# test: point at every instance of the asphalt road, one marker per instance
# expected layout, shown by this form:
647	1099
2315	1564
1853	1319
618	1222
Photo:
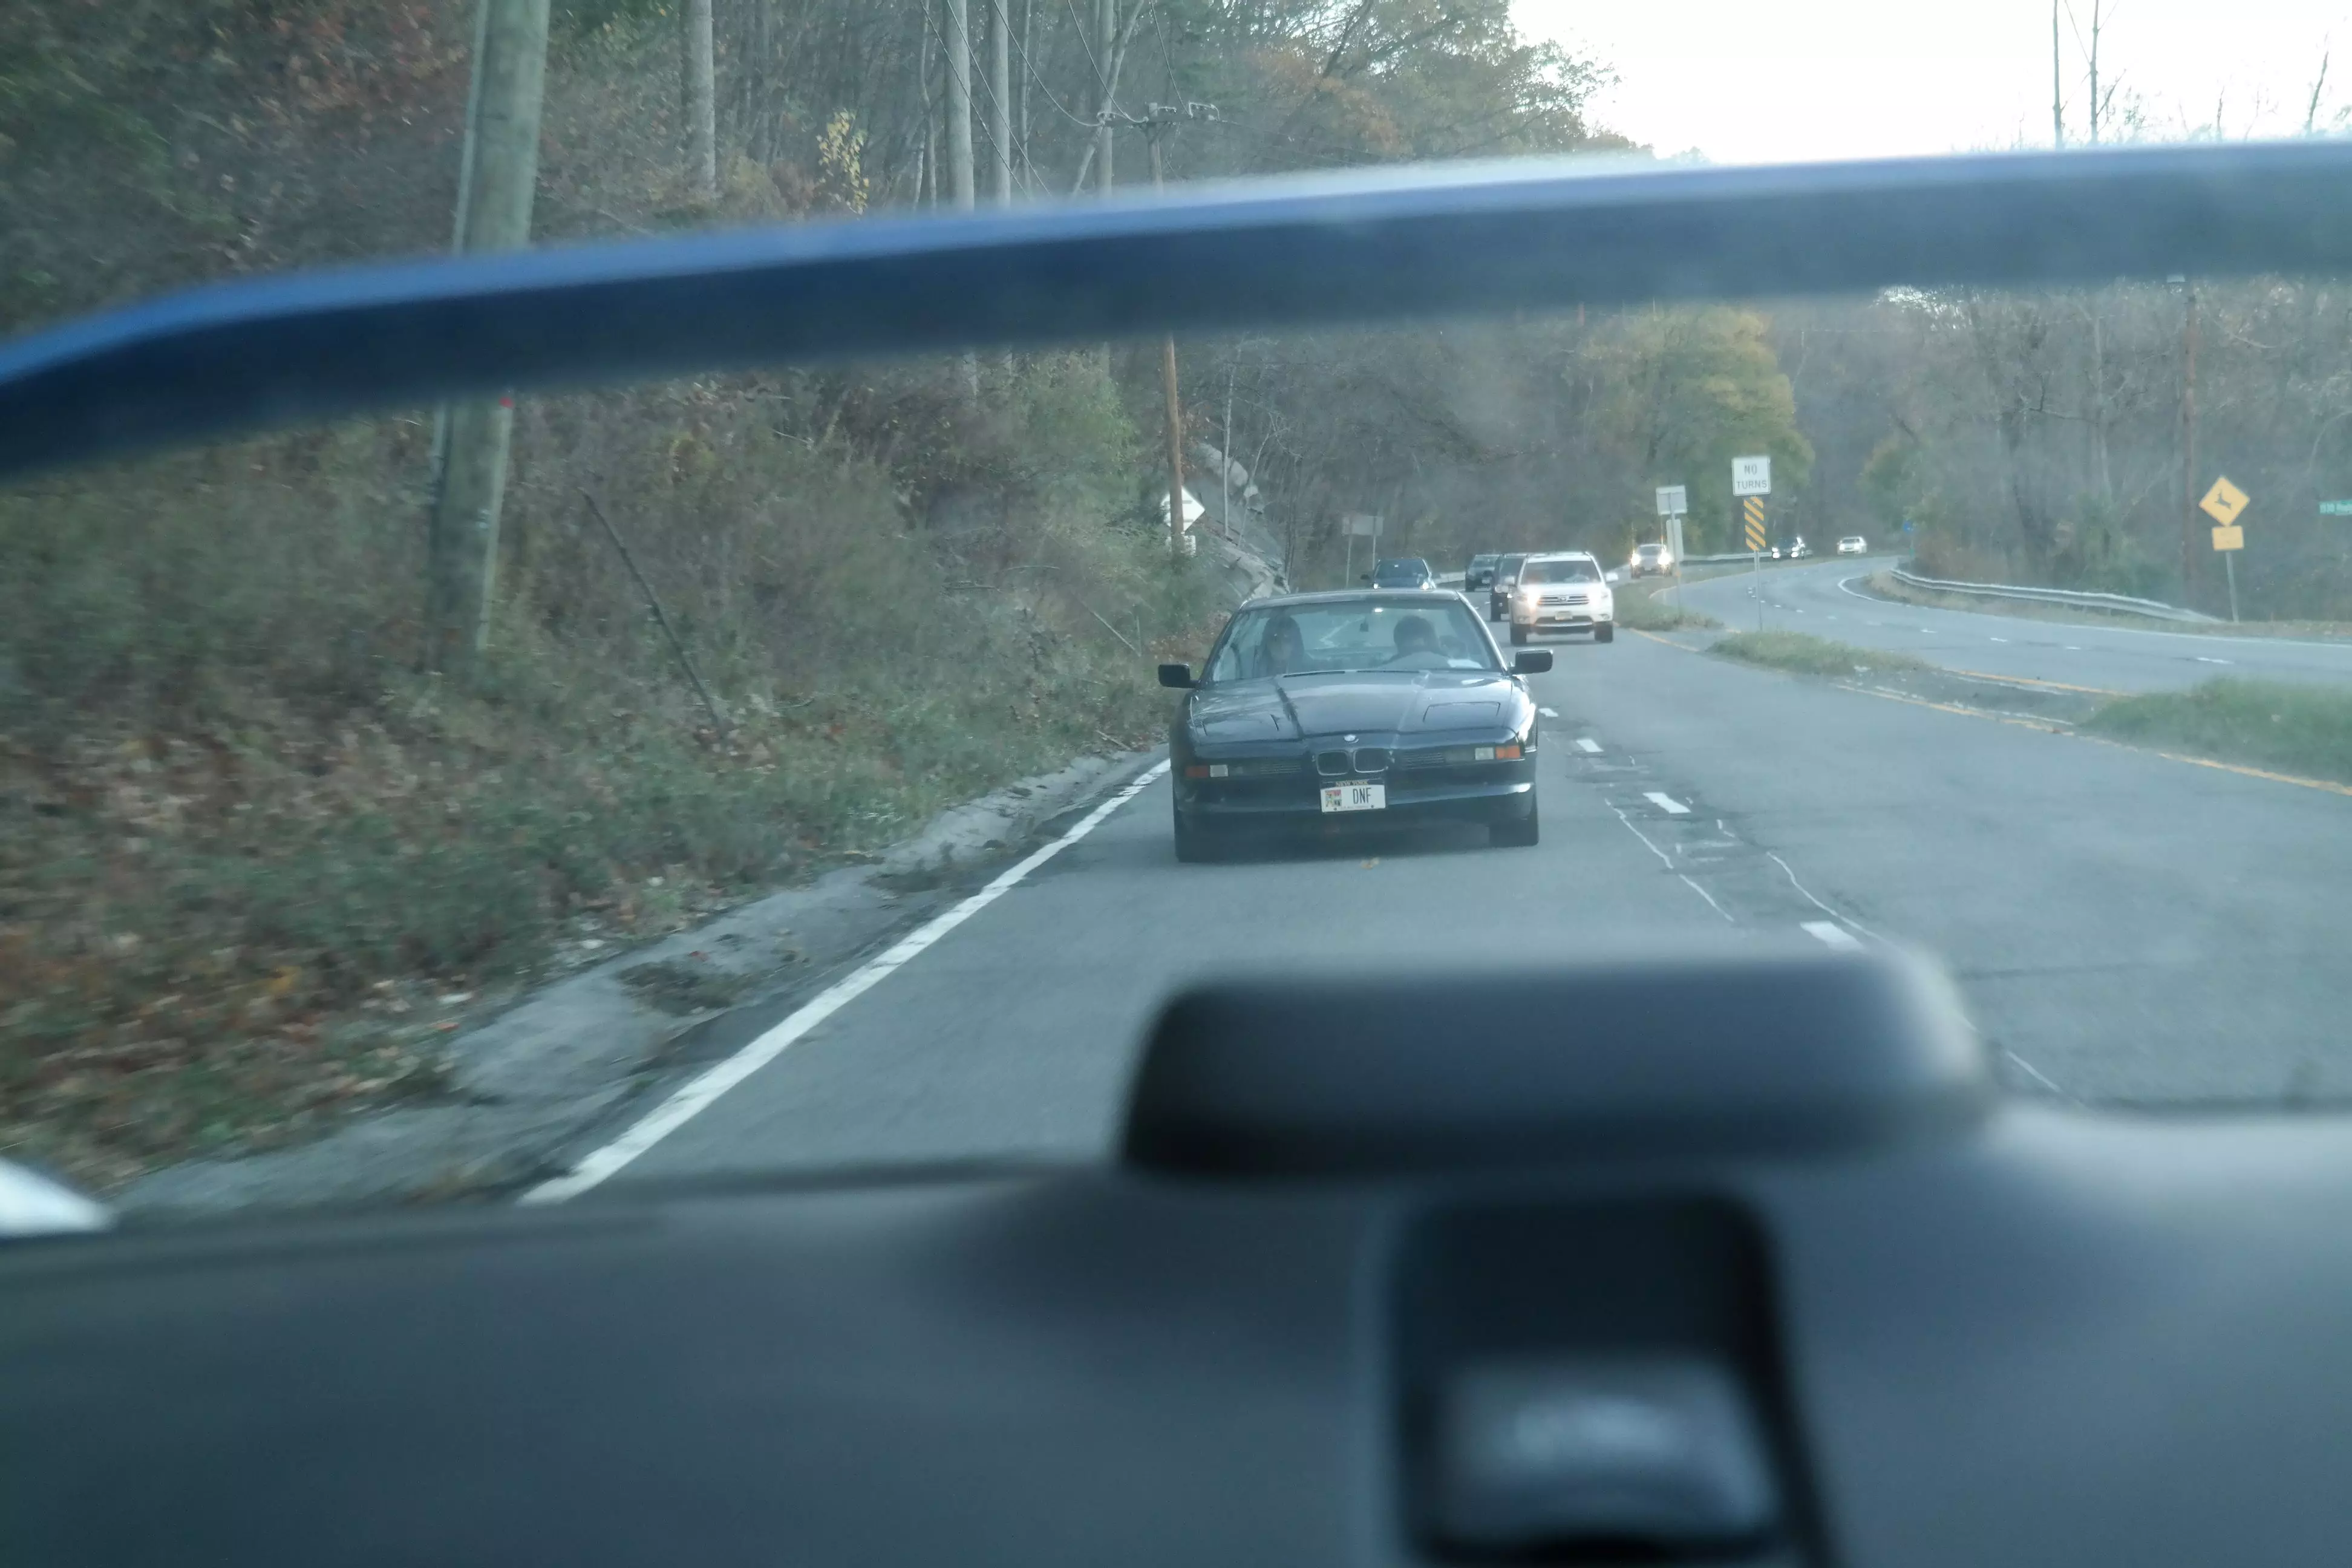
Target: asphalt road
2125	927
1828	600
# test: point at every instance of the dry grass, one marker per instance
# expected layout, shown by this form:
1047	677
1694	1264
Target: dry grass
254	868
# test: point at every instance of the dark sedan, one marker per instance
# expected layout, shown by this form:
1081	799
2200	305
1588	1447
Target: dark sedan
1353	709
1499	586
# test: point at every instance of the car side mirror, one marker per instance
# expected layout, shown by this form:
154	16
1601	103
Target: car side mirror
1178	675
1531	661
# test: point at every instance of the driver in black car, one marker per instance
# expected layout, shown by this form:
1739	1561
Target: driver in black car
1413	636
1283	650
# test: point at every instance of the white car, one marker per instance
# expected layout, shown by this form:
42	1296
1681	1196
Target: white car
1565	591
1853	544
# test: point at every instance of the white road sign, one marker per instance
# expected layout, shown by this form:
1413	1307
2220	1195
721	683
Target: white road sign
1362	524
1751	476
1674	501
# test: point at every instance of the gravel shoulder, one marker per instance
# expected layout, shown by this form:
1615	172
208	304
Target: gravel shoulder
584	1051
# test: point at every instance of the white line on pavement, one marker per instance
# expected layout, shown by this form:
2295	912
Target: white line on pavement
2202	660
698	1093
2001	639
1645	837
1808	892
2069	648
1586	744
1549	712
1832	933
1703	893
1665	803
2035	1073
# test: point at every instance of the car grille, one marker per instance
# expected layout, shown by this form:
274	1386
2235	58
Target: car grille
1344	764
1563	598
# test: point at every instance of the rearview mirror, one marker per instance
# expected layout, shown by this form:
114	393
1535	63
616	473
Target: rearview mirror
1179	676
1533	661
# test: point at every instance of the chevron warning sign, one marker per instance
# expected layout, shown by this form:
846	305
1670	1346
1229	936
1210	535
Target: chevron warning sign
1754	509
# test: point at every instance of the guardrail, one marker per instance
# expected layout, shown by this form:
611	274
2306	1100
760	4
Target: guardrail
2111	603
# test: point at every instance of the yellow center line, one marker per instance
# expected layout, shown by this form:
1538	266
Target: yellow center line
1885	696
2326	785
2297	780
2028	680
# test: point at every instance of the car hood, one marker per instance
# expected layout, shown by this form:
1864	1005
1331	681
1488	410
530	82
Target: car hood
1293	706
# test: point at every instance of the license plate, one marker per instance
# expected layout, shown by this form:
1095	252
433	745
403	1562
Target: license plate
1355	798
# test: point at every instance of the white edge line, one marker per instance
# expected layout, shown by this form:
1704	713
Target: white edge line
1844	920
697	1093
2038	1076
1703	893
1645	837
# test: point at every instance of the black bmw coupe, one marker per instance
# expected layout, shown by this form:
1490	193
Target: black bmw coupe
1353	709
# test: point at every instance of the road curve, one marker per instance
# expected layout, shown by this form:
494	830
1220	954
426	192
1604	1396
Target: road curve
2125	927
1829	599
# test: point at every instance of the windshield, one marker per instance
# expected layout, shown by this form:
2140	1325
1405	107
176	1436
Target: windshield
1352	635
405	800
1575	570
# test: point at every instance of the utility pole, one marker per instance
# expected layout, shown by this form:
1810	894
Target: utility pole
2094	73
1106	44
2191	557
1000	93
494	199
2057	96
1225	453
701	101
1168	385
959	49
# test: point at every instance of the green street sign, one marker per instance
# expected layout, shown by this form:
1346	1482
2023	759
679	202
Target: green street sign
2336	509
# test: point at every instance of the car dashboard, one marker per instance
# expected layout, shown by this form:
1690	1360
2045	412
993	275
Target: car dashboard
1813	1295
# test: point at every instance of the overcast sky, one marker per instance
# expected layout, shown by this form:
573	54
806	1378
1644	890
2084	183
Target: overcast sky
1744	81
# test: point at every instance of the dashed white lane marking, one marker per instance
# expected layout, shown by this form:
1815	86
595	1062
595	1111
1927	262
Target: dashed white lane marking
2202	660
2069	648
1832	933
705	1088
1549	712
1665	803
2001	639
1586	744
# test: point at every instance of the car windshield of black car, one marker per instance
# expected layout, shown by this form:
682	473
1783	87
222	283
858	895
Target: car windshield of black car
1351	634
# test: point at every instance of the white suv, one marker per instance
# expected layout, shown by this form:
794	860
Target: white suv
1562	592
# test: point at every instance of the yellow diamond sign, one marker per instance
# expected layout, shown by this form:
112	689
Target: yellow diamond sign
2223	502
